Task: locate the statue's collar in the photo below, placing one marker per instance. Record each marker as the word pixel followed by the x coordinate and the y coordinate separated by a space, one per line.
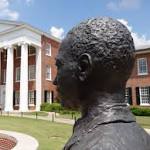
pixel 105 114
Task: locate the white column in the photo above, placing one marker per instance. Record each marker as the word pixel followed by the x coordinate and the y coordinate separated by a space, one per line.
pixel 24 78
pixel 38 79
pixel 9 80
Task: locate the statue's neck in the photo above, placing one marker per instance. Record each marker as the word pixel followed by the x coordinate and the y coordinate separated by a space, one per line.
pixel 98 103
pixel 103 108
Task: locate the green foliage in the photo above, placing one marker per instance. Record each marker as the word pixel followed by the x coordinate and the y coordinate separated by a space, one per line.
pixel 54 107
pixel 140 111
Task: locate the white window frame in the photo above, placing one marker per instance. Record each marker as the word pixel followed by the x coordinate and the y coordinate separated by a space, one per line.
pixel 17 53
pixel 48 71
pixel 29 75
pixel 31 104
pixel 48 49
pixel 18 68
pixel 141 90
pixel 126 96
pixel 49 97
pixel 138 66
pixel 17 101
pixel 30 50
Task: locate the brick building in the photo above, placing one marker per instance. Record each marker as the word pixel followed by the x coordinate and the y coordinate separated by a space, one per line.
pixel 27 66
pixel 138 85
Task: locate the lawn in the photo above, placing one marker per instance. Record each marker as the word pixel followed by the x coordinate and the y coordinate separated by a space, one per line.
pixel 143 121
pixel 51 136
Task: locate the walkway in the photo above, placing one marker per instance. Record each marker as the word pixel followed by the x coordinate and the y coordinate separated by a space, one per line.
pixel 50 117
pixel 148 130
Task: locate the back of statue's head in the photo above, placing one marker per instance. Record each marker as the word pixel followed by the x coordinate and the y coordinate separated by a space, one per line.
pixel 107 41
pixel 100 52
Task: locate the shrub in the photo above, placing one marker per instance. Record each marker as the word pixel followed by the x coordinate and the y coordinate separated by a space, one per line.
pixel 54 107
pixel 140 111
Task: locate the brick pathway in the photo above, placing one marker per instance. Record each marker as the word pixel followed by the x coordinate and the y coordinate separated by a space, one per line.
pixel 7 142
pixel 23 141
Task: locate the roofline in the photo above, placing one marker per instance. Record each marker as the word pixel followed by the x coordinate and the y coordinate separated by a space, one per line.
pixel 142 51
pixel 23 24
pixel 11 22
pixel 42 32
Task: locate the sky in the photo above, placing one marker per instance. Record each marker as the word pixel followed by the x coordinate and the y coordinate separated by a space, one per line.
pixel 59 16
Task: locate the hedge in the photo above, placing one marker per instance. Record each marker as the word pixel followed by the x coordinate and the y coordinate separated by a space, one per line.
pixel 56 107
pixel 140 111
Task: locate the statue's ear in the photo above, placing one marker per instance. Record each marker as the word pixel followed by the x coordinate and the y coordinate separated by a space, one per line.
pixel 84 66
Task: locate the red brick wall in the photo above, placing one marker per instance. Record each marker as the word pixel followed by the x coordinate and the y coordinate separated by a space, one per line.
pixel 49 60
pixel 136 80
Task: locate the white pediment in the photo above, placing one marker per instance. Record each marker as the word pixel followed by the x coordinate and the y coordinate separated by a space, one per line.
pixel 12 32
pixel 8 25
pixel 4 27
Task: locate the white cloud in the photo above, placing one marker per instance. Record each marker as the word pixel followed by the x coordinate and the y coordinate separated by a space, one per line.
pixel 6 12
pixel 140 41
pixel 57 32
pixel 124 4
pixel 28 2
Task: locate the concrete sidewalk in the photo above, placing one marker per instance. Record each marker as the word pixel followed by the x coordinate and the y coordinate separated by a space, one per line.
pixel 147 130
pixel 50 117
pixel 24 141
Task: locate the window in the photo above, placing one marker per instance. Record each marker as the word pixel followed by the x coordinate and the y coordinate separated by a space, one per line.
pixel 48 49
pixel 31 97
pixel 17 97
pixel 49 97
pixel 142 66
pixel 48 73
pixel 32 50
pixel 32 72
pixel 18 74
pixel 18 52
pixel 4 76
pixel 144 95
pixel 126 95
pixel 5 55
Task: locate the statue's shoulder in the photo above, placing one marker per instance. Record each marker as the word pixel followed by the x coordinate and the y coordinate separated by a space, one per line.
pixel 120 136
pixel 113 136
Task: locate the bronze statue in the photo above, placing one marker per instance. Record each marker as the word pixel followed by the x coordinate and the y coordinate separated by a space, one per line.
pixel 94 62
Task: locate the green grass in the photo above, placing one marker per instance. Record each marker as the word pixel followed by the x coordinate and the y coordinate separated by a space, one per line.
pixel 51 136
pixel 69 116
pixel 39 113
pixel 143 121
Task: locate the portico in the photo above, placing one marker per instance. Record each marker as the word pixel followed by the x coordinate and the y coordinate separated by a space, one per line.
pixel 10 40
pixel 23 103
pixel 27 66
